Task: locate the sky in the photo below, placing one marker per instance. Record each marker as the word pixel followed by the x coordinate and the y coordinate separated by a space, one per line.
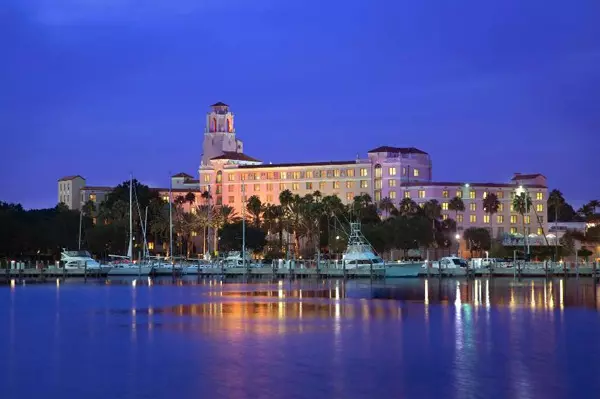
pixel 105 88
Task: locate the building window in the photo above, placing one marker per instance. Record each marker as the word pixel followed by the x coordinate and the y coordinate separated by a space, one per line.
pixel 270 175
pixel 244 176
pixel 295 186
pixel 391 183
pixel 295 175
pixel 308 185
pixel 194 233
pixel 540 231
pixel 93 197
pixel 472 194
pixel 336 184
pixel 500 219
pixel 473 218
pixel 403 171
pixel 444 206
pixel 485 194
pixel 512 208
pixel 513 219
pixel 257 187
pixel 392 195
pixel 500 194
pixel 349 196
pixel 230 177
pixel 309 174
pixel 513 230
pixel 231 199
pixel 486 218
pixel 281 186
pixel 541 219
pixel 378 172
pixel 321 186
pixel 445 194
pixel 500 207
pixel 527 219
pixel 349 184
pixel 392 171
pixel 364 184
pixel 151 245
pixel 377 184
pixel 539 196
pixel 206 178
pixel 472 207
pixel 421 193
pixel 283 175
pixel 269 186
pixel 459 193
pixel 363 172
pixel 269 198
pixel 231 188
pixel 539 207
pixel 336 173
pixel 377 196
pixel 350 173
pixel 459 218
pixel 165 198
pixel 444 216
pixel 407 194
pixel 416 172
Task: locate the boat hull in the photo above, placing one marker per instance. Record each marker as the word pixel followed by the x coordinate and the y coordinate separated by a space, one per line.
pixel 130 271
pixel 402 270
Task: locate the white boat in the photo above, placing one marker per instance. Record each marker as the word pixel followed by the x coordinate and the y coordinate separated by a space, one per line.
pixel 199 265
pixel 447 262
pixel 234 259
pixel 360 254
pixel 78 260
pixel 130 269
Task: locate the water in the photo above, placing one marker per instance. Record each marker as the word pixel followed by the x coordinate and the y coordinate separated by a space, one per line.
pixel 405 339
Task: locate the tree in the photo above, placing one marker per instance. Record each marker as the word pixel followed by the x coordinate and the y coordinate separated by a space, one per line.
pixel 408 207
pixel 456 205
pixel 386 205
pixel 558 209
pixel 190 198
pixel 255 208
pixel 478 239
pixel 231 238
pixel 89 209
pixel 490 206
pixel 522 205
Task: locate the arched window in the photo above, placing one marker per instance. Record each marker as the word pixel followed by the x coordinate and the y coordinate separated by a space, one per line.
pixel 378 171
pixel 213 127
pixel 219 177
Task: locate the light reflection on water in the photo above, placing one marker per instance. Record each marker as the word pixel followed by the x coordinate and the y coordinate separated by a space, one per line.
pixel 410 338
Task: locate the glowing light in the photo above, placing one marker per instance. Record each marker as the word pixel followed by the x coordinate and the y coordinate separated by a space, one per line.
pixel 58 282
pixel 457 236
pixel 487 294
pixel 13 283
pixel 457 301
pixel 532 301
pixel 561 295
pixel 426 292
pixel 134 283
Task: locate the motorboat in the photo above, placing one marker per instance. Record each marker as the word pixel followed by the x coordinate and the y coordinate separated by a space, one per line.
pixel 359 253
pixel 79 260
pixel 447 262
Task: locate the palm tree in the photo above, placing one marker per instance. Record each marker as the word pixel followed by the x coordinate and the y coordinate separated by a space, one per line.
pixel 522 204
pixel 222 216
pixel 273 221
pixel 386 205
pixel 490 206
pixel 555 201
pixel 255 208
pixel 408 207
pixel 190 198
pixel 456 204
pixel 89 208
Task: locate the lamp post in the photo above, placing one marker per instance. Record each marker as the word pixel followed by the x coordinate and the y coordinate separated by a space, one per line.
pixel 457 236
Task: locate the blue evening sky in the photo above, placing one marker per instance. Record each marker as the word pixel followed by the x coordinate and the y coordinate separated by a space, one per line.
pixel 103 88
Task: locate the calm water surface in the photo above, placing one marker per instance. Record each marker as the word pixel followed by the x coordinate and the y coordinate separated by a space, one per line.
pixel 414 338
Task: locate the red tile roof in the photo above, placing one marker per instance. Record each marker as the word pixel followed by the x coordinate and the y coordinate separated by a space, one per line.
pixel 185 175
pixel 281 165
pixel 398 150
pixel 66 178
pixel 235 156
pixel 519 176
pixel 98 188
pixel 219 104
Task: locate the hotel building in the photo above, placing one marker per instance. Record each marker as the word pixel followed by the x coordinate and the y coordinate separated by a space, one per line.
pixel 231 176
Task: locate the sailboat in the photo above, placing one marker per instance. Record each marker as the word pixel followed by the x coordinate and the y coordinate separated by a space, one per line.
pixel 127 267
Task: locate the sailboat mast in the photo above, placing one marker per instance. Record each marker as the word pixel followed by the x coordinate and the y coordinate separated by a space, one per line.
pixel 146 252
pixel 79 239
pixel 130 249
pixel 171 218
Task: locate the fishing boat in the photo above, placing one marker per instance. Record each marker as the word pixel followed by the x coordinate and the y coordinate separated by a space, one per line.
pixel 359 253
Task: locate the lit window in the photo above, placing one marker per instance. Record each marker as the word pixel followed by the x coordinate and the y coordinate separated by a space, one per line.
pixel 377 184
pixel 459 218
pixel 472 206
pixel 321 186
pixel 500 194
pixel 377 195
pixel 244 176
pixel 269 198
pixel 270 175
pixel 231 199
pixel 93 197
pixel 500 219
pixel 421 193
pixel 309 174
pixel 308 185
pixel 539 207
pixel 486 218
pixel 473 218
pixel 391 183
pixel 350 173
pixel 194 233
pixel 527 219
pixel 231 188
pixel 459 193
pixel 500 207
pixel 512 207
pixel 336 173
pixel 243 188
pixel 445 194
pixel 539 196
pixel 94 220
pixel 416 172
pixel 444 206
pixel 421 204
pixel 485 194
pixel 349 196
pixel 349 184
pixel 283 175
pixel 165 198
pixel 403 171
pixel 444 216
pixel 472 194
pixel 230 177
pixel 206 178
pixel 378 171
pixel 364 184
pixel 295 186
pixel 513 219
pixel 363 172
pixel 407 194
pixel 513 230
pixel 336 184
pixel 257 187
pixel 392 195
pixel 150 245
pixel 281 186
pixel 392 171
pixel 540 231
pixel 269 186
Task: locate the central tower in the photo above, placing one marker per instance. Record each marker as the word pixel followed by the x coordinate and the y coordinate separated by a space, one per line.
pixel 219 133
